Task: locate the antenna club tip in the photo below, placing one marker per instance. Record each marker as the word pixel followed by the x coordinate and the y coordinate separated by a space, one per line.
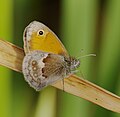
pixel 93 55
pixel 88 55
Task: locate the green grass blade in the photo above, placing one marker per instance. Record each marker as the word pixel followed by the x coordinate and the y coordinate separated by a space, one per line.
pixel 6 32
pixel 78 26
pixel 110 51
pixel 46 106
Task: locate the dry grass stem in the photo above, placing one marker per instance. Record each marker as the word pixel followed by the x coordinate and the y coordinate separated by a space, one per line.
pixel 11 56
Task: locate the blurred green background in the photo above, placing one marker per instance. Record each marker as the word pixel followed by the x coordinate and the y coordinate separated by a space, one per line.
pixel 91 25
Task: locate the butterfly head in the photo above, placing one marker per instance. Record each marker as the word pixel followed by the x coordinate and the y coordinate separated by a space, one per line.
pixel 72 63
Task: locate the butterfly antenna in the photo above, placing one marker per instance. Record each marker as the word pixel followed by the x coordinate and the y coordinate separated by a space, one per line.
pixel 88 55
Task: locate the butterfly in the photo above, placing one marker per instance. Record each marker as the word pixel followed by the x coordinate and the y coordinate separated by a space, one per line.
pixel 46 60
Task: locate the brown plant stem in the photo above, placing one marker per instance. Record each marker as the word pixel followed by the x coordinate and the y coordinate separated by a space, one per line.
pixel 11 56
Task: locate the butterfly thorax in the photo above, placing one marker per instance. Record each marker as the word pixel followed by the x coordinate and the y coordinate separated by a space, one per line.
pixel 60 65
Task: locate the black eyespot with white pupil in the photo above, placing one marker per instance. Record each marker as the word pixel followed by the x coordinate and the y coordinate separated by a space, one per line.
pixel 41 32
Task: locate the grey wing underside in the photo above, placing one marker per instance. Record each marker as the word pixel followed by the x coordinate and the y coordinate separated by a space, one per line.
pixel 39 73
